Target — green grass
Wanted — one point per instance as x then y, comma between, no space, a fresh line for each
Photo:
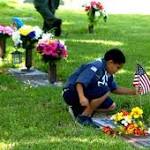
37,118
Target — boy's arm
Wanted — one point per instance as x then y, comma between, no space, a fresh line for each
125,91
83,100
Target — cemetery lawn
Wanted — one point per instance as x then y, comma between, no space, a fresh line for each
37,118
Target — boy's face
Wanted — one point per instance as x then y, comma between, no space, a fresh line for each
112,67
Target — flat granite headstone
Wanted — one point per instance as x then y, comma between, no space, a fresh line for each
33,77
104,121
137,141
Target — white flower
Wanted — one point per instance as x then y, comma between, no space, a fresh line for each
47,36
124,122
62,42
128,119
97,14
16,38
148,130
38,32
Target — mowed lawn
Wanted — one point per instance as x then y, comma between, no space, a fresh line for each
37,118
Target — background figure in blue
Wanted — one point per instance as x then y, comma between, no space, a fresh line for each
87,90
47,10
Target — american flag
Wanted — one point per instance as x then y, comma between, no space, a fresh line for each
141,80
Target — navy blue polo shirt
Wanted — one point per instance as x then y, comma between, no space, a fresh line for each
92,75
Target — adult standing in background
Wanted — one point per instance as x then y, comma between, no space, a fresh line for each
47,10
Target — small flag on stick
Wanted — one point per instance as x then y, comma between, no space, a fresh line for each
141,80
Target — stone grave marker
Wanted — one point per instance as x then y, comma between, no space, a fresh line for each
137,141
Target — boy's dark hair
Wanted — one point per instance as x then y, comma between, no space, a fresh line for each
116,55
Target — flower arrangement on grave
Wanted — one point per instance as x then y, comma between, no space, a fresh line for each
26,36
95,10
51,51
128,123
5,32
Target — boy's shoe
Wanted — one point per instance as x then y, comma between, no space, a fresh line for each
73,112
70,110
86,121
53,25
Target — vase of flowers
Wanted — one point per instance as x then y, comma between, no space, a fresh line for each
52,50
26,37
52,72
5,32
94,10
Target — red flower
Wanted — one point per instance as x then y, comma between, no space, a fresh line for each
139,131
87,8
100,6
108,130
125,113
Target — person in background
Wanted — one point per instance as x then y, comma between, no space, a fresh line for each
88,89
47,10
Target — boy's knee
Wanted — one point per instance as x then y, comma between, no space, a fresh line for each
112,107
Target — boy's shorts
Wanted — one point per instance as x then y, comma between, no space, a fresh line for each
71,98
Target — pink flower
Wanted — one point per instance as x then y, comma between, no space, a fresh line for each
93,3
100,6
1,29
52,48
6,30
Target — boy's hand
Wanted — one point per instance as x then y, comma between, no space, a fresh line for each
138,90
84,101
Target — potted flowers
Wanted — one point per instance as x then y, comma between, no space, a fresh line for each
5,31
94,10
26,36
128,123
51,51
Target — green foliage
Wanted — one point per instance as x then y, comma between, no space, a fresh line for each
37,118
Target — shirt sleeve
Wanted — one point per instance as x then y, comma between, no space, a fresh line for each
86,75
112,84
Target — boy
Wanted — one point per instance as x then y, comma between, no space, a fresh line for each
89,87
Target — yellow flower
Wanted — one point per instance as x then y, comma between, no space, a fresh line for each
118,116
25,30
136,112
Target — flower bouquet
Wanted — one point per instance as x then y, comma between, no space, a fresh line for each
128,123
51,51
25,37
5,31
95,10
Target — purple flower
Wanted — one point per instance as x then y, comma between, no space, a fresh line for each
31,35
